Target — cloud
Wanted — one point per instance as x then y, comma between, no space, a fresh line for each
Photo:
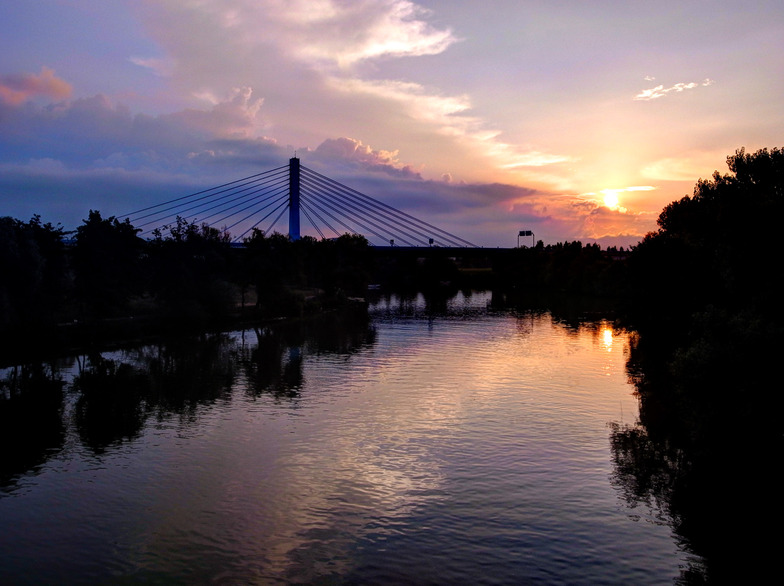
446,114
684,168
88,153
322,33
323,72
348,33
324,69
161,67
348,150
117,161
615,225
450,117
94,131
531,158
235,117
17,88
660,91
609,197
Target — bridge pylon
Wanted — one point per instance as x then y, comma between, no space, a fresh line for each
294,232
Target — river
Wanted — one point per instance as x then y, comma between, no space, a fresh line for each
444,443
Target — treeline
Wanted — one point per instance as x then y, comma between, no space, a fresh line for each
565,269
104,271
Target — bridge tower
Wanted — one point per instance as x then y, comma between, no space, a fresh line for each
294,199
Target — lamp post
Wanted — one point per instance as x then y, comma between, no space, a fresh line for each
525,233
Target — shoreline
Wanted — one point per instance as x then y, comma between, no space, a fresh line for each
38,342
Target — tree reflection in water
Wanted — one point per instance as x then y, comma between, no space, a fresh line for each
31,424
117,393
707,474
274,364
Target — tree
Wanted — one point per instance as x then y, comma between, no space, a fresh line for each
268,258
342,265
190,272
36,283
106,260
715,246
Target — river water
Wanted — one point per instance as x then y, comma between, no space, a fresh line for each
428,444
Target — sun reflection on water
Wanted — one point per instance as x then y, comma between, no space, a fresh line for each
607,337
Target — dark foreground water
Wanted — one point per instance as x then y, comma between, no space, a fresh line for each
429,445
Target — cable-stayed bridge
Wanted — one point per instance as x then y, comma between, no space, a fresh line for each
260,201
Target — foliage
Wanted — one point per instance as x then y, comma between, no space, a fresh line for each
279,268
189,274
36,279
565,268
715,246
708,275
106,263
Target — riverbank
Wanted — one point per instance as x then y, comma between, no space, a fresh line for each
35,342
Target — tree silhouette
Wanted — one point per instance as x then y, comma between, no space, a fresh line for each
106,261
36,281
715,247
189,271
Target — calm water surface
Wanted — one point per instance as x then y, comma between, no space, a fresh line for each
430,445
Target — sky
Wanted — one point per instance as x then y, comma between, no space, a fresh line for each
576,120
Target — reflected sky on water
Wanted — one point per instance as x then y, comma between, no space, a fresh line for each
433,443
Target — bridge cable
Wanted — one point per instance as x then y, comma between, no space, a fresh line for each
394,226
387,218
393,210
254,203
282,202
256,210
283,211
312,223
256,178
333,205
315,205
223,205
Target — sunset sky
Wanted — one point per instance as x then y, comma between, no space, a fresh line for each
576,120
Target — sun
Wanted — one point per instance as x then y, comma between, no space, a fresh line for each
610,198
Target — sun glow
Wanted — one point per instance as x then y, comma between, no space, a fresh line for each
610,198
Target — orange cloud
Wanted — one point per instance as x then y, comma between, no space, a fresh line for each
20,87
